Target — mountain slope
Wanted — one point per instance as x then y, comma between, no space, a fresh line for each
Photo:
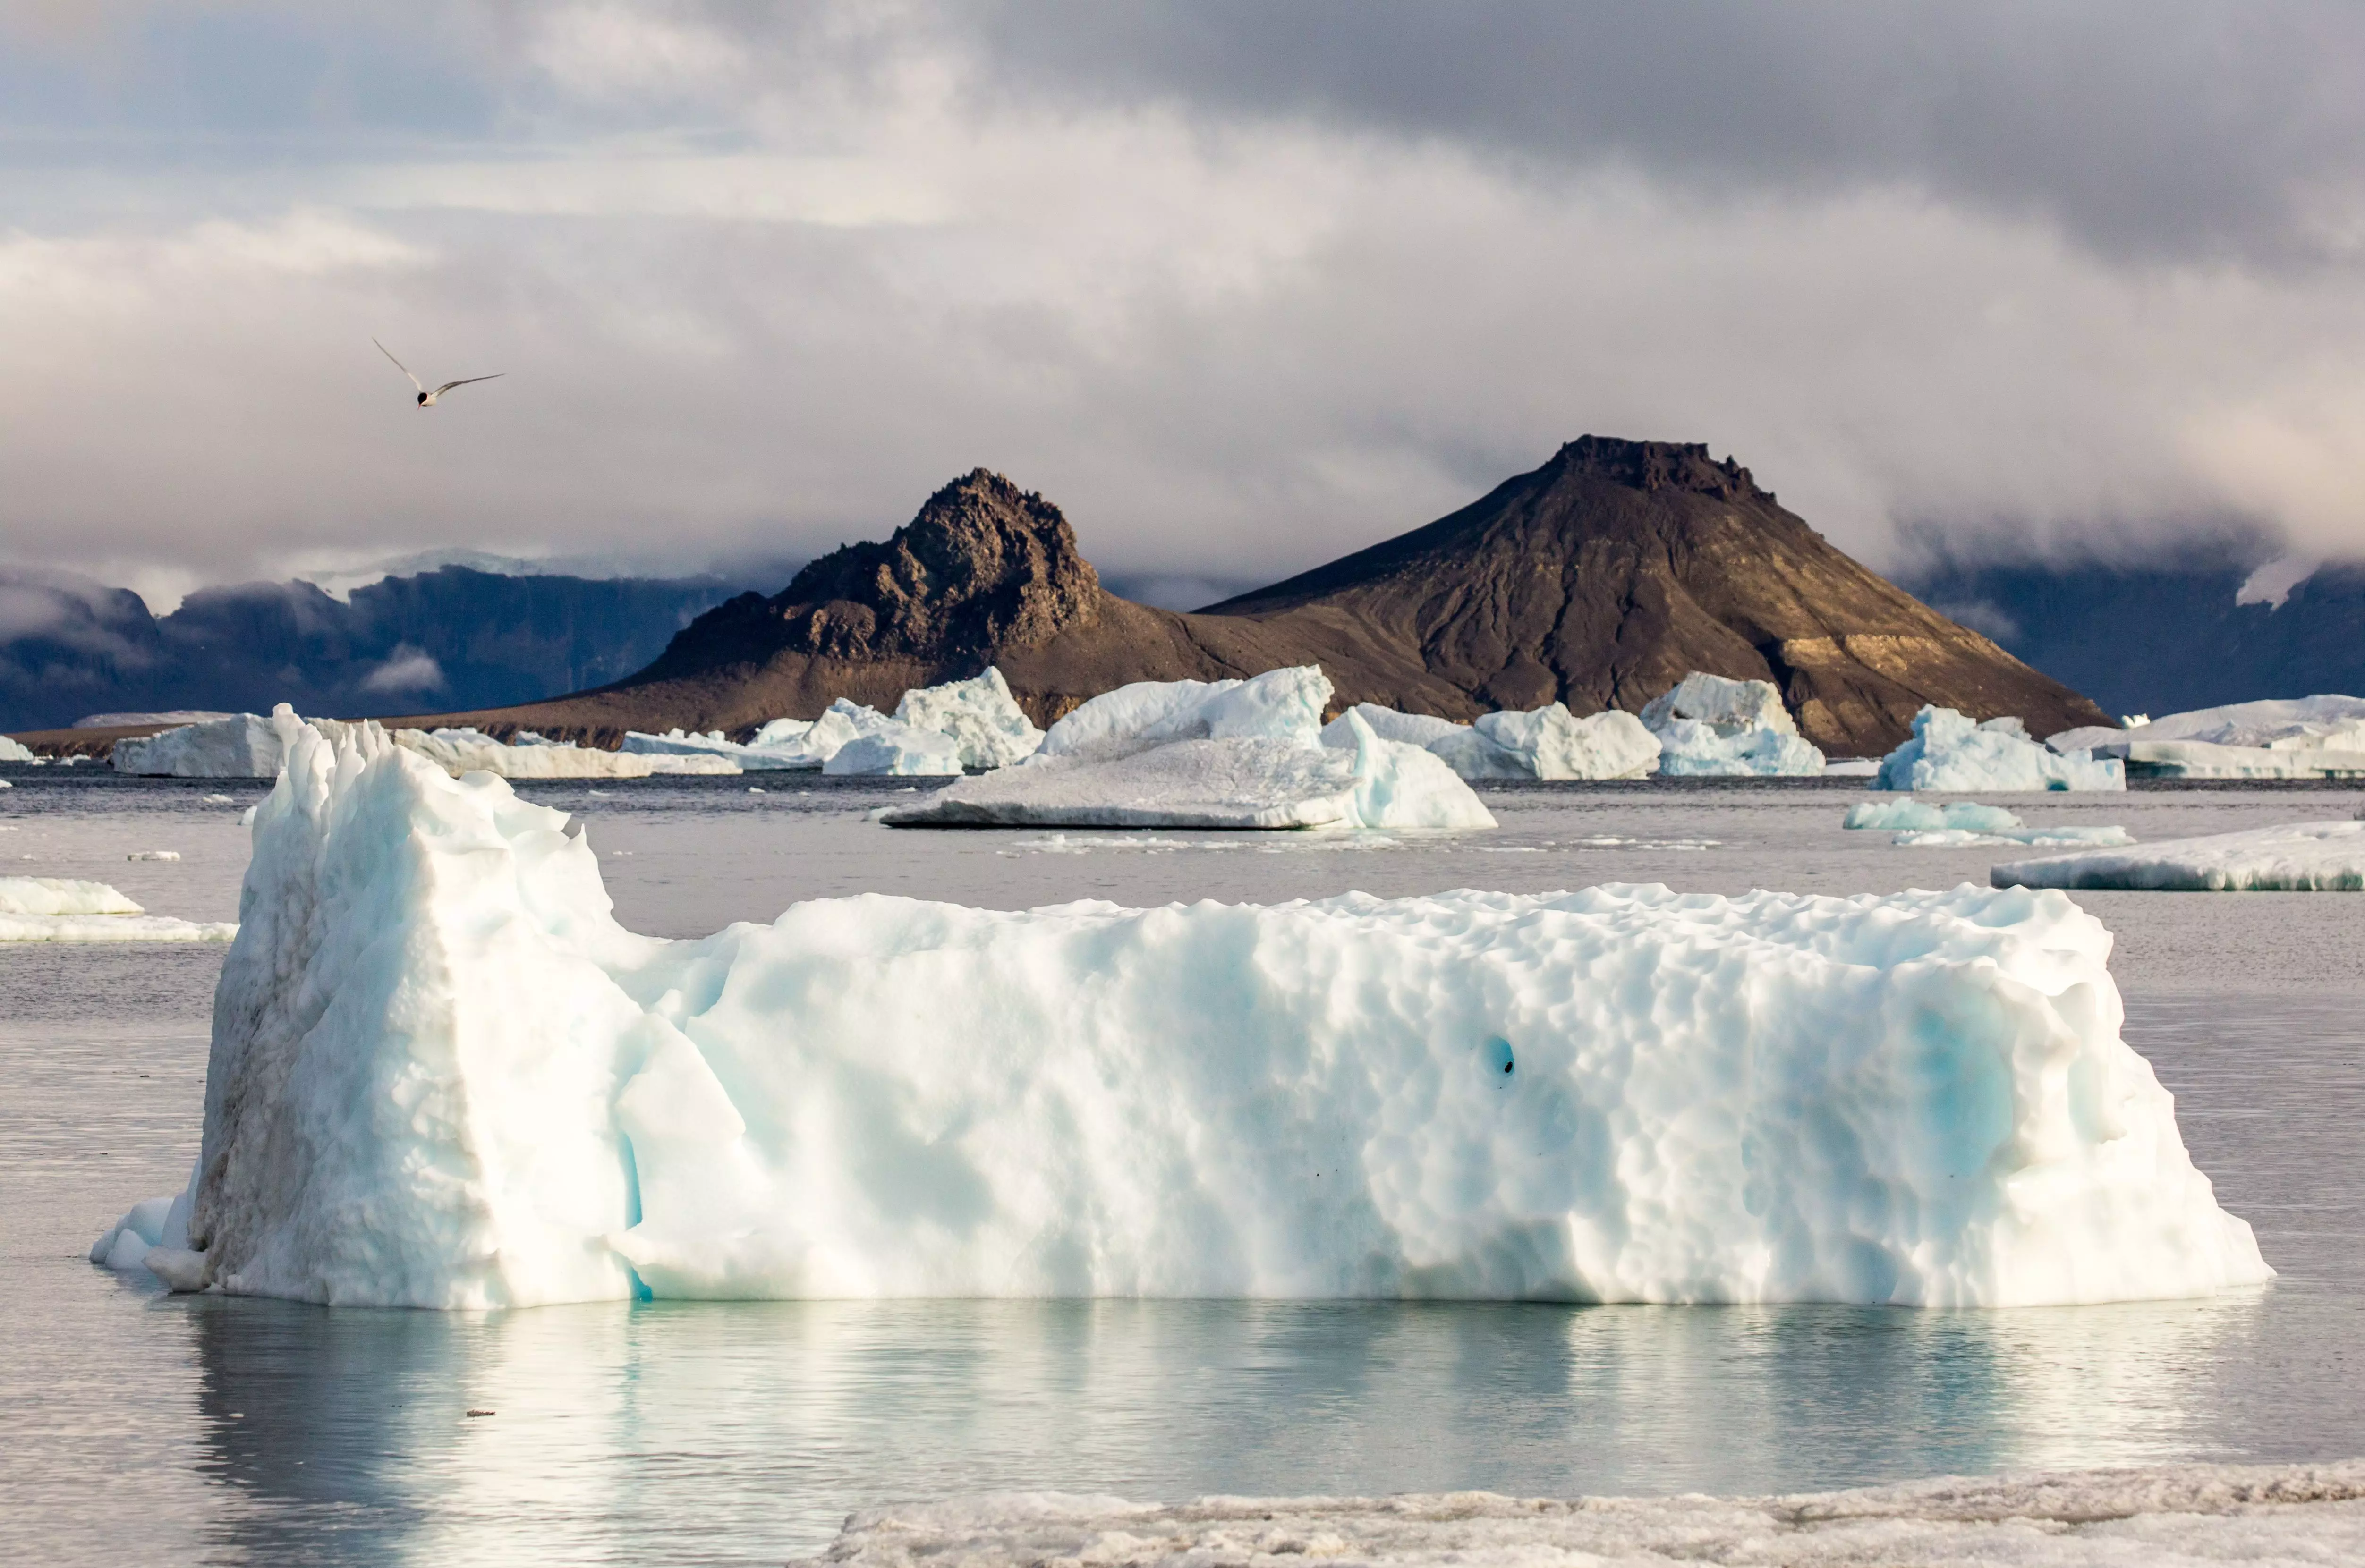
1599,579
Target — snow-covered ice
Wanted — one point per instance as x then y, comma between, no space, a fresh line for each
1552,742
2303,737
881,746
16,751
2164,1517
57,895
2321,856
992,731
1710,725
1280,705
1233,782
441,1075
1949,754
1929,816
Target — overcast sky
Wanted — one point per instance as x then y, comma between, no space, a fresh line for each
1240,284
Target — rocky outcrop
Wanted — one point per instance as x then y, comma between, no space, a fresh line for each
1597,580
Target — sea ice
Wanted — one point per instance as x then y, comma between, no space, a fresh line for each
56,895
980,714
16,751
1965,839
2179,1516
1928,816
2324,856
1234,782
444,1076
1949,754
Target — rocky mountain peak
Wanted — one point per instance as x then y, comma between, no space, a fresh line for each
1658,465
984,564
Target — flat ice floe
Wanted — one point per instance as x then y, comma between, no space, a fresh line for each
2326,857
53,909
443,1075
2164,1517
58,895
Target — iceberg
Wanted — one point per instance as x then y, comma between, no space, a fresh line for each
57,895
1280,705
2302,857
879,744
2303,737
1710,727
244,746
1422,730
1239,782
980,714
1692,748
1926,816
1552,743
443,1075
1950,754
13,750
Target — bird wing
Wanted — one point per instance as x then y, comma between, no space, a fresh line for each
468,380
397,363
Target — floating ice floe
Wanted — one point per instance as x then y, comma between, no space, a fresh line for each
992,731
2033,837
243,745
1710,725
246,745
2184,1514
1949,754
2303,737
2324,856
442,1075
52,908
16,751
1960,823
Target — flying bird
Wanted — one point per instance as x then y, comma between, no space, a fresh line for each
427,399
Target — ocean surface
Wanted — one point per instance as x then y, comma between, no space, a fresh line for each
146,1427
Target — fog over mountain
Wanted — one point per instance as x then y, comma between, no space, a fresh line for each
1250,286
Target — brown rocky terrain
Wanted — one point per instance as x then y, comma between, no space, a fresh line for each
1598,580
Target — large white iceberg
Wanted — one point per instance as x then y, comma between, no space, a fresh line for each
244,746
1710,727
1950,754
2323,856
1280,705
883,745
1234,782
12,750
1547,743
980,714
444,1076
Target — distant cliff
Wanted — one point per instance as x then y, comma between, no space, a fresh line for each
1598,579
458,637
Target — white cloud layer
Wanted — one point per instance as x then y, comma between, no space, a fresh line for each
758,284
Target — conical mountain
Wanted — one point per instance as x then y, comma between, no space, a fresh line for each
1598,580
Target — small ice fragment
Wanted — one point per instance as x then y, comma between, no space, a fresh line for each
153,855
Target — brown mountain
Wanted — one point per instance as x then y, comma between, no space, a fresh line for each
1598,580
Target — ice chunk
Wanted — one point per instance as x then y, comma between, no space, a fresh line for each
1552,743
980,714
2086,737
56,895
444,1076
2296,723
153,855
1928,816
1246,782
110,928
1948,753
2304,737
781,733
1728,707
2185,1515
2202,759
1280,705
1688,748
1961,839
2323,856
1406,729
879,744
244,746
16,751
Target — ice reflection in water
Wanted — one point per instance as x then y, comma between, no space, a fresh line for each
680,1430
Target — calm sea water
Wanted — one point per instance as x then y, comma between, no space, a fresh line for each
144,1426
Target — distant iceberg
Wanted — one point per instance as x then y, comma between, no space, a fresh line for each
980,715
16,751
2323,856
243,745
1713,726
247,746
1545,743
442,1075
1930,816
2302,737
936,731
1950,754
